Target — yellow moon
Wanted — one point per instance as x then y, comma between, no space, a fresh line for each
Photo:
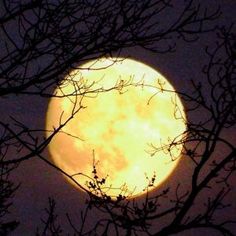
126,107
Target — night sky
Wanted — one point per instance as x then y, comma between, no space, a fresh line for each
38,181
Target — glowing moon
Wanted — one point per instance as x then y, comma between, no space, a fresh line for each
117,125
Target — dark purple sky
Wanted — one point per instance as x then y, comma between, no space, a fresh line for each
39,181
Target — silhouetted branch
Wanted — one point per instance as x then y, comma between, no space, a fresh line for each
201,141
7,190
51,227
52,38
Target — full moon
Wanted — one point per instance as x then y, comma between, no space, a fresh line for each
119,115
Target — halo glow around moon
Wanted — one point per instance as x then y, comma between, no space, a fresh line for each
117,126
